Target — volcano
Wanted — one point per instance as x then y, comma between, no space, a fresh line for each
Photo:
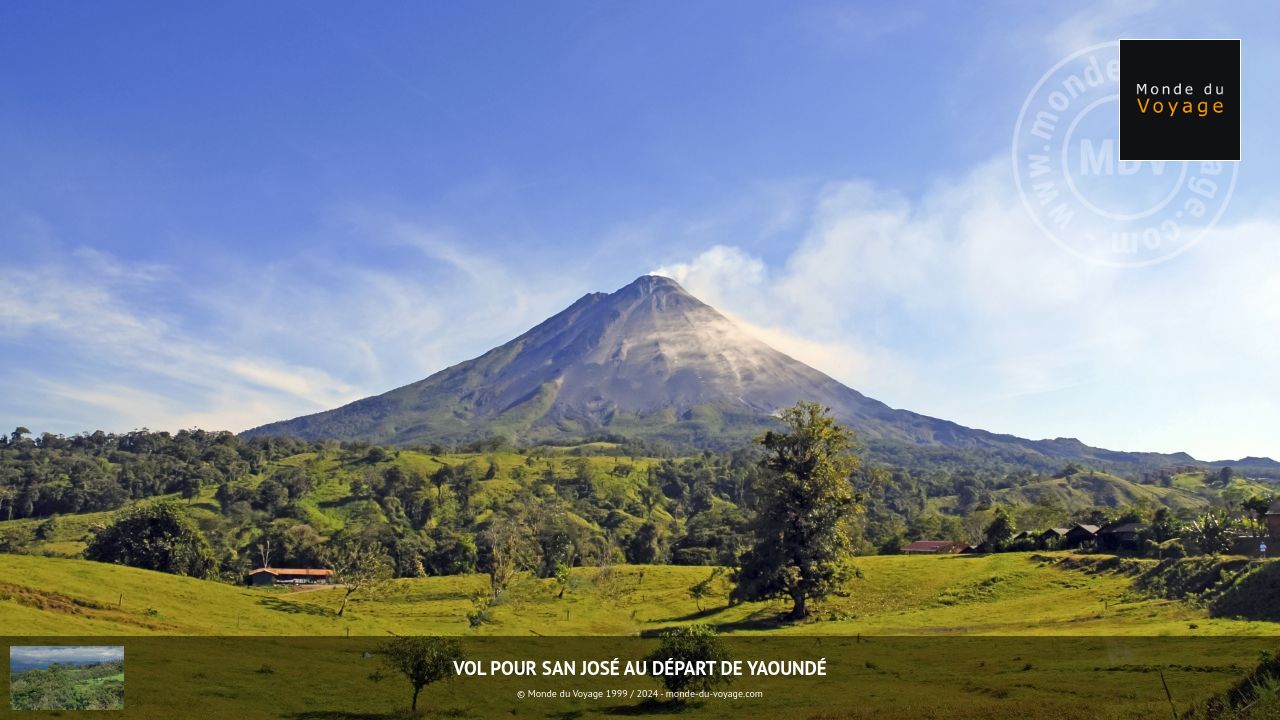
651,362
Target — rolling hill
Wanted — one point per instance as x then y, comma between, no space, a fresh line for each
1005,594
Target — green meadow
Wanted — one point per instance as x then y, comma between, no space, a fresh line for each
992,595
1003,594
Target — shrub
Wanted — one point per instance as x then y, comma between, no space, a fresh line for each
153,536
692,643
1174,548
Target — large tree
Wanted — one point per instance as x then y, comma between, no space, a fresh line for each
509,548
805,503
423,660
999,532
360,566
153,536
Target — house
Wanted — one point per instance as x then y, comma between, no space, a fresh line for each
1124,536
934,547
1051,538
1079,534
1022,540
1273,520
290,576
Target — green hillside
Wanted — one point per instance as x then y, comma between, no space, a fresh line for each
430,509
90,686
1008,594
333,501
1087,488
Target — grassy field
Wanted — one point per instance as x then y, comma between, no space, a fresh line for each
895,678
1007,594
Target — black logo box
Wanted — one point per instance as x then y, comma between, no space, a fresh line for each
1158,78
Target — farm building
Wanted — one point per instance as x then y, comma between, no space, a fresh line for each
1079,535
1273,520
1052,538
290,576
934,547
1124,536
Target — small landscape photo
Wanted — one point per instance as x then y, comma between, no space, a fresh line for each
66,677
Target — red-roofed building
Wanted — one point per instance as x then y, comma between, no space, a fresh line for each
290,576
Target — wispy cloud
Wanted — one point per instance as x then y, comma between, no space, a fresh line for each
90,318
116,345
1104,21
845,25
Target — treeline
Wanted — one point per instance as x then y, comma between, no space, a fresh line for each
53,474
574,510
561,513
98,686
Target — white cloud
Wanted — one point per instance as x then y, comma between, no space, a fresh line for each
48,654
956,305
721,268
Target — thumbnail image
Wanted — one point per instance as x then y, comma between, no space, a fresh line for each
66,677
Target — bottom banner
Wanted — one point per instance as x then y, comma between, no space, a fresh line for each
686,676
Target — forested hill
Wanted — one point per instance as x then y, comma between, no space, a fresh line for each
431,508
54,474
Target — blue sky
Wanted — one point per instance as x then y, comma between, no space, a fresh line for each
33,656
227,215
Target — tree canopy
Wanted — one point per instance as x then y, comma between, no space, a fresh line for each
423,660
153,536
806,501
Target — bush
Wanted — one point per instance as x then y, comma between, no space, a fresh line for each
1150,548
1168,550
1211,533
1025,544
1174,548
692,643
153,536
1251,594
